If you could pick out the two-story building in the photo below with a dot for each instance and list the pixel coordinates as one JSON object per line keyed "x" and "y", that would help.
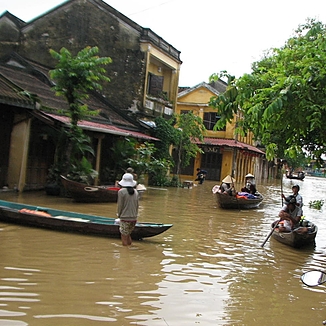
{"x": 145, "y": 68}
{"x": 144, "y": 78}
{"x": 224, "y": 152}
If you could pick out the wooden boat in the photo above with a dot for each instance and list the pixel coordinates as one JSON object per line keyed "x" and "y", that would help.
{"x": 236, "y": 202}
{"x": 300, "y": 176}
{"x": 80, "y": 192}
{"x": 295, "y": 238}
{"x": 54, "y": 219}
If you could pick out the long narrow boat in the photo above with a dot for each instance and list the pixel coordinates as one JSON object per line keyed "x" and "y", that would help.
{"x": 236, "y": 202}
{"x": 296, "y": 177}
{"x": 54, "y": 219}
{"x": 295, "y": 238}
{"x": 81, "y": 192}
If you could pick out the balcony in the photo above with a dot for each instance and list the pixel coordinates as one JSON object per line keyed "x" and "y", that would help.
{"x": 149, "y": 36}
{"x": 158, "y": 105}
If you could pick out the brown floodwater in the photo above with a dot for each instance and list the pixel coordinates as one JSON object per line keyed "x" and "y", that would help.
{"x": 208, "y": 269}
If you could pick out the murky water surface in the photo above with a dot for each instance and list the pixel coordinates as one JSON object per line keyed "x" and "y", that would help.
{"x": 208, "y": 269}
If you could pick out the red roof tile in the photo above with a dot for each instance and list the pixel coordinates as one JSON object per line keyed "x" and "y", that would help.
{"x": 101, "y": 127}
{"x": 230, "y": 143}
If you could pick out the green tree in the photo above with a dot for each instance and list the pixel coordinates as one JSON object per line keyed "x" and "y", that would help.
{"x": 75, "y": 77}
{"x": 121, "y": 151}
{"x": 184, "y": 131}
{"x": 168, "y": 135}
{"x": 299, "y": 161}
{"x": 145, "y": 162}
{"x": 283, "y": 100}
{"x": 190, "y": 130}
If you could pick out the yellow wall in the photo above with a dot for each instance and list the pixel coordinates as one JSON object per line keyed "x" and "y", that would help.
{"x": 227, "y": 162}
{"x": 169, "y": 68}
{"x": 197, "y": 101}
{"x": 19, "y": 153}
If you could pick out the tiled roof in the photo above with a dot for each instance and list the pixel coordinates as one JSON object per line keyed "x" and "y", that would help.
{"x": 8, "y": 95}
{"x": 102, "y": 127}
{"x": 191, "y": 89}
{"x": 230, "y": 143}
{"x": 33, "y": 78}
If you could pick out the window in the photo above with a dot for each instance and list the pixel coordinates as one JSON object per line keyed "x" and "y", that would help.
{"x": 210, "y": 119}
{"x": 155, "y": 85}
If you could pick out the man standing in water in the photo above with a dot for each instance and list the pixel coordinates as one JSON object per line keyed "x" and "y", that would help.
{"x": 201, "y": 175}
{"x": 127, "y": 207}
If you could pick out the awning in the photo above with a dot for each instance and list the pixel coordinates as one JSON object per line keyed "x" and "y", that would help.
{"x": 102, "y": 128}
{"x": 230, "y": 143}
{"x": 147, "y": 123}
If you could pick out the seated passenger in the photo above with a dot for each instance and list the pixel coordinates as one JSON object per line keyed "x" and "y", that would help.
{"x": 289, "y": 215}
{"x": 226, "y": 187}
{"x": 250, "y": 186}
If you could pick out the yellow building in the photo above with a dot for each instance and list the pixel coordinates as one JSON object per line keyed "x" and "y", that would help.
{"x": 162, "y": 66}
{"x": 144, "y": 76}
{"x": 224, "y": 152}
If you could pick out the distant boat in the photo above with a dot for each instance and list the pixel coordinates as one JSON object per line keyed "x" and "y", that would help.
{"x": 299, "y": 176}
{"x": 48, "y": 218}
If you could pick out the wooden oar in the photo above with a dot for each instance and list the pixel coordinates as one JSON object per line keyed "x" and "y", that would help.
{"x": 233, "y": 186}
{"x": 270, "y": 233}
{"x": 276, "y": 223}
{"x": 282, "y": 185}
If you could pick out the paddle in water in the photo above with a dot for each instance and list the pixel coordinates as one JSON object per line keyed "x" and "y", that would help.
{"x": 270, "y": 233}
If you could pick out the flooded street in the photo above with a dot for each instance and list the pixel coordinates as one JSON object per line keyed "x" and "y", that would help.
{"x": 208, "y": 269}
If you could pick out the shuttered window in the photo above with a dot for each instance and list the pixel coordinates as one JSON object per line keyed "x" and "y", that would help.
{"x": 155, "y": 85}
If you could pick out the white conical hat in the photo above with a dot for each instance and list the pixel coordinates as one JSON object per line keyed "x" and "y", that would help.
{"x": 228, "y": 179}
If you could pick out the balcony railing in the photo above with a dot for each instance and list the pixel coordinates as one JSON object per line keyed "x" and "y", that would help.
{"x": 159, "y": 105}
{"x": 150, "y": 36}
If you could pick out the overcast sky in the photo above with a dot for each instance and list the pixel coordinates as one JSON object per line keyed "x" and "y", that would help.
{"x": 212, "y": 35}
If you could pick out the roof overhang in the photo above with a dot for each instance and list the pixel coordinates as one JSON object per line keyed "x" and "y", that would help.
{"x": 102, "y": 128}
{"x": 223, "y": 142}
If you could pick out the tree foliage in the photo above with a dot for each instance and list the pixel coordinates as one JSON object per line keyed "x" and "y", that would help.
{"x": 283, "y": 100}
{"x": 145, "y": 161}
{"x": 293, "y": 163}
{"x": 183, "y": 131}
{"x": 190, "y": 130}
{"x": 75, "y": 77}
{"x": 168, "y": 135}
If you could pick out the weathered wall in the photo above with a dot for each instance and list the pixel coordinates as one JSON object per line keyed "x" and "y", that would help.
{"x": 78, "y": 24}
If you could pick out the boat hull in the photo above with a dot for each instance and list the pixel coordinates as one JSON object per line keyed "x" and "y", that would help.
{"x": 34, "y": 216}
{"x": 232, "y": 202}
{"x": 81, "y": 192}
{"x": 295, "y": 178}
{"x": 295, "y": 239}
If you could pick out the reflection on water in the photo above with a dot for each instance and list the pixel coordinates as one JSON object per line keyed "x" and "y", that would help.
{"x": 208, "y": 269}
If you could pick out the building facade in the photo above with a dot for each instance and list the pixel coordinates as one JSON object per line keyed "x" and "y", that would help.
{"x": 224, "y": 152}
{"x": 145, "y": 68}
{"x": 144, "y": 78}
